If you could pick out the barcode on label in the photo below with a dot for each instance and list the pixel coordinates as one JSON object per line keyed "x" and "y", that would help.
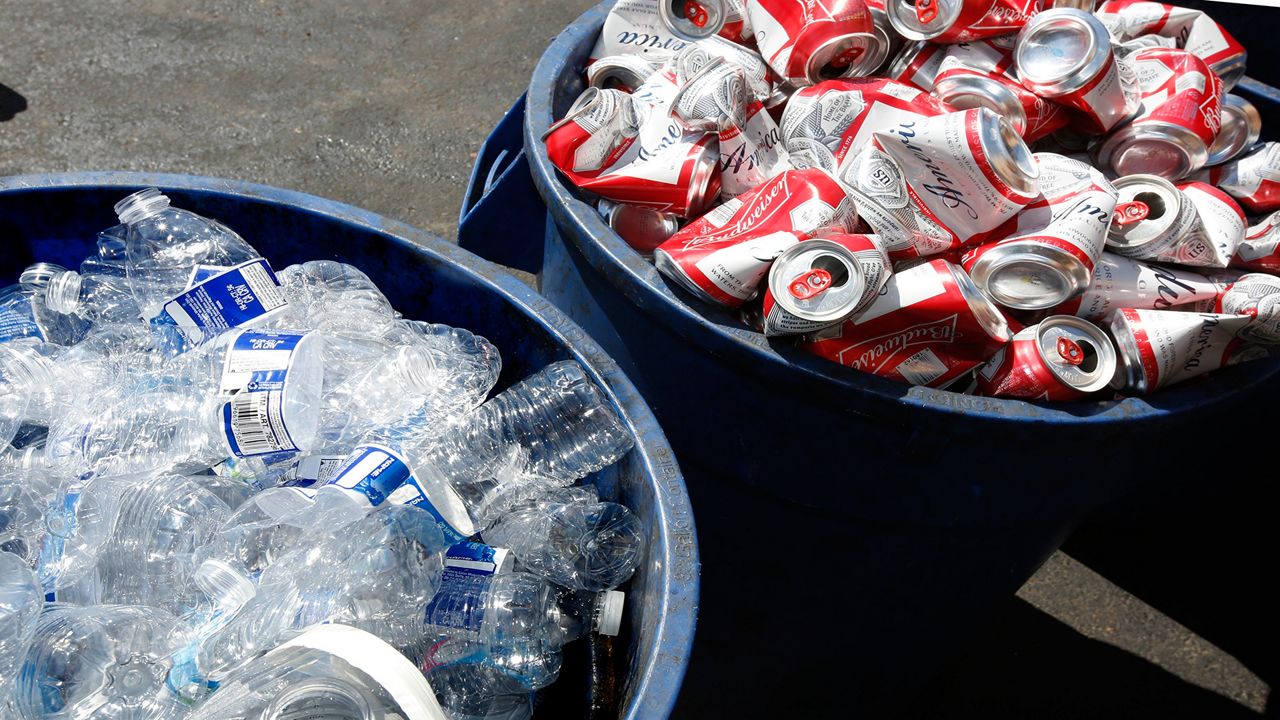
{"x": 922, "y": 368}
{"x": 255, "y": 424}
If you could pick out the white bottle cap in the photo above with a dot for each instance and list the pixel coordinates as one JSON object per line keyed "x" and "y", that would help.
{"x": 609, "y": 619}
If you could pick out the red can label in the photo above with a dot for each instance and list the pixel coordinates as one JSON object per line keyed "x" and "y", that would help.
{"x": 1254, "y": 179}
{"x": 1194, "y": 31}
{"x": 980, "y": 19}
{"x": 1261, "y": 247}
{"x": 1179, "y": 88}
{"x": 1018, "y": 371}
{"x": 789, "y": 31}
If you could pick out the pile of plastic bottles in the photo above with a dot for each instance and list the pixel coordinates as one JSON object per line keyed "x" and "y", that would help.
{"x": 227, "y": 493}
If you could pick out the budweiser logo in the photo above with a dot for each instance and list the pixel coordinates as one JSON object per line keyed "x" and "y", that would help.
{"x": 872, "y": 354}
{"x": 652, "y": 40}
{"x": 761, "y": 205}
{"x": 944, "y": 187}
{"x": 1202, "y": 342}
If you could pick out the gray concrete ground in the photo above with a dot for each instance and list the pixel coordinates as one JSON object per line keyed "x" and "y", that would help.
{"x": 383, "y": 105}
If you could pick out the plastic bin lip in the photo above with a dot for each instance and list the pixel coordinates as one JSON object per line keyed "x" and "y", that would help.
{"x": 722, "y": 331}
{"x": 656, "y": 685}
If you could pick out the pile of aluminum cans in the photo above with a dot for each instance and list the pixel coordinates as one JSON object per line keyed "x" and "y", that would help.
{"x": 1039, "y": 199}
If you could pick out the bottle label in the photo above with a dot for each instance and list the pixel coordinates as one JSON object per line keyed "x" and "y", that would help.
{"x": 253, "y": 423}
{"x": 17, "y": 320}
{"x": 259, "y": 360}
{"x": 229, "y": 299}
{"x": 473, "y": 558}
{"x": 312, "y": 470}
{"x": 459, "y": 603}
{"x": 432, "y": 497}
{"x": 371, "y": 473}
{"x": 200, "y": 273}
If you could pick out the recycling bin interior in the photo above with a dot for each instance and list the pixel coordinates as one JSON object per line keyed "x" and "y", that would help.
{"x": 878, "y": 524}
{"x": 55, "y": 218}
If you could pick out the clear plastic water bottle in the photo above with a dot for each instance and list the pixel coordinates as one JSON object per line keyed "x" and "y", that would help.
{"x": 469, "y": 688}
{"x": 336, "y": 298}
{"x": 231, "y": 490}
{"x": 106, "y": 661}
{"x": 329, "y": 671}
{"x": 21, "y": 600}
{"x": 98, "y": 298}
{"x": 23, "y": 499}
{"x": 24, "y": 312}
{"x": 78, "y": 522}
{"x": 583, "y": 546}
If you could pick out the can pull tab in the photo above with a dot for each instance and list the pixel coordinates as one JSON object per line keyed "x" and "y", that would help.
{"x": 848, "y": 57}
{"x": 810, "y": 284}
{"x": 1070, "y": 351}
{"x": 1128, "y": 213}
{"x": 926, "y": 11}
{"x": 695, "y": 13}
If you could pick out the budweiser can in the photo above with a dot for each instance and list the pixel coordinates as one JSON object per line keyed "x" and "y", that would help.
{"x": 724, "y": 255}
{"x": 620, "y": 72}
{"x": 955, "y": 21}
{"x": 1179, "y": 118}
{"x": 633, "y": 28}
{"x": 808, "y": 41}
{"x": 1061, "y": 358}
{"x": 701, "y": 19}
{"x": 917, "y": 64}
{"x": 1253, "y": 180}
{"x": 1257, "y": 297}
{"x": 1065, "y": 55}
{"x": 1121, "y": 282}
{"x": 643, "y": 228}
{"x": 929, "y": 326}
{"x": 827, "y": 124}
{"x": 887, "y": 40}
{"x": 1193, "y": 31}
{"x": 820, "y": 282}
{"x": 1194, "y": 225}
{"x": 1260, "y": 249}
{"x": 1044, "y": 265}
{"x": 1159, "y": 348}
{"x": 1240, "y": 130}
{"x": 697, "y": 55}
{"x": 929, "y": 186}
{"x": 963, "y": 85}
{"x": 601, "y": 146}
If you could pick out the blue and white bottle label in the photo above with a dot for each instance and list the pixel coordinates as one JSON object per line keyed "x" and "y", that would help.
{"x": 253, "y": 423}
{"x": 229, "y": 299}
{"x": 312, "y": 470}
{"x": 18, "y": 321}
{"x": 441, "y": 501}
{"x": 473, "y": 558}
{"x": 372, "y": 473}
{"x": 259, "y": 360}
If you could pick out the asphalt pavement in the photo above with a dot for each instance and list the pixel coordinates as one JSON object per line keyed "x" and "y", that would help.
{"x": 383, "y": 105}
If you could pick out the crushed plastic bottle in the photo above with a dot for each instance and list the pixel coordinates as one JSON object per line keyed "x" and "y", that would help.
{"x": 21, "y": 600}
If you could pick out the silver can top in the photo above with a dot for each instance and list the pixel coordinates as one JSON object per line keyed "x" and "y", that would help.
{"x": 1129, "y": 372}
{"x": 984, "y": 311}
{"x": 922, "y": 19}
{"x": 1241, "y": 127}
{"x": 693, "y": 19}
{"x": 817, "y": 280}
{"x": 1147, "y": 210}
{"x": 1030, "y": 275}
{"x": 619, "y": 72}
{"x": 963, "y": 92}
{"x": 1059, "y": 51}
{"x": 1008, "y": 153}
{"x": 1152, "y": 147}
{"x": 1077, "y": 352}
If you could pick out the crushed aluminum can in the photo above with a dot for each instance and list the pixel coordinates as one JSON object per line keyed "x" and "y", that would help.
{"x": 724, "y": 255}
{"x": 1059, "y": 359}
{"x": 929, "y": 186}
{"x": 620, "y": 72}
{"x": 1159, "y": 348}
{"x": 1065, "y": 55}
{"x": 1241, "y": 127}
{"x": 828, "y": 124}
{"x": 643, "y": 228}
{"x": 697, "y": 55}
{"x": 1193, "y": 30}
{"x": 1188, "y": 224}
{"x": 1256, "y": 296}
{"x": 1253, "y": 180}
{"x": 633, "y": 28}
{"x": 822, "y": 281}
{"x": 1050, "y": 254}
{"x": 956, "y": 21}
{"x": 702, "y": 19}
{"x": 978, "y": 74}
{"x": 1221, "y": 227}
{"x": 929, "y": 326}
{"x": 1179, "y": 118}
{"x": 1260, "y": 249}
{"x": 917, "y": 64}
{"x": 815, "y": 40}
{"x": 1121, "y": 282}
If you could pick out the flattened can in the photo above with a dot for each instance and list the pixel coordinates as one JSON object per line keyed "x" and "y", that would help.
{"x": 643, "y": 228}
{"x": 633, "y": 28}
{"x": 700, "y": 19}
{"x": 1241, "y": 127}
{"x": 956, "y": 21}
{"x": 929, "y": 326}
{"x": 917, "y": 64}
{"x": 1193, "y": 31}
{"x": 1195, "y": 225}
{"x": 963, "y": 86}
{"x": 1061, "y": 358}
{"x": 1261, "y": 247}
{"x": 1257, "y": 297}
{"x": 1065, "y": 55}
{"x": 1159, "y": 348}
{"x": 1121, "y": 282}
{"x": 1253, "y": 180}
{"x": 819, "y": 282}
{"x": 806, "y": 42}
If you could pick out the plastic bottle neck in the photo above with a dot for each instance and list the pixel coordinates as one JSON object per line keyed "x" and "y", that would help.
{"x": 63, "y": 292}
{"x": 416, "y": 369}
{"x": 141, "y": 205}
{"x": 39, "y": 275}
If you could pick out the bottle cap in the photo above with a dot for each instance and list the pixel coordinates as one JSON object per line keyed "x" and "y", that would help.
{"x": 609, "y": 619}
{"x": 221, "y": 582}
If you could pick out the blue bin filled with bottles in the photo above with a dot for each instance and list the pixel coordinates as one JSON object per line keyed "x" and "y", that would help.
{"x": 56, "y": 218}
{"x": 873, "y": 525}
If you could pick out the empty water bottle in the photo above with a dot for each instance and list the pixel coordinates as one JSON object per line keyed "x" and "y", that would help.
{"x": 20, "y": 602}
{"x": 23, "y": 499}
{"x": 98, "y": 298}
{"x": 336, "y": 298}
{"x": 470, "y": 688}
{"x": 78, "y": 521}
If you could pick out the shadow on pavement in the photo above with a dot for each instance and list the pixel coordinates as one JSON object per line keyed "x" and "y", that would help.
{"x": 11, "y": 103}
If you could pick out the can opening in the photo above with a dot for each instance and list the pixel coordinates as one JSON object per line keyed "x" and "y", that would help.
{"x": 1154, "y": 202}
{"x": 834, "y": 267}
{"x": 1088, "y": 356}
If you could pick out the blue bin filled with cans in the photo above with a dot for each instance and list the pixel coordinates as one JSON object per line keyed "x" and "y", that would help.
{"x": 55, "y": 218}
{"x": 857, "y": 531}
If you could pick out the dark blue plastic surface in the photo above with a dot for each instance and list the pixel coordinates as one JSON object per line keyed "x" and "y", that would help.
{"x": 55, "y": 218}
{"x": 856, "y": 530}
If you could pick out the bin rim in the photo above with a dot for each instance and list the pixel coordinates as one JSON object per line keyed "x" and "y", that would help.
{"x": 722, "y": 333}
{"x": 656, "y": 684}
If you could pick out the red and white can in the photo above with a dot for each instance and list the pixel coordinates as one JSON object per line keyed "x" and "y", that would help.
{"x": 1221, "y": 228}
{"x": 978, "y": 74}
{"x": 1180, "y": 116}
{"x": 1061, "y": 358}
{"x": 808, "y": 41}
{"x": 633, "y": 28}
{"x": 1194, "y": 32}
{"x": 724, "y": 255}
{"x": 1253, "y": 180}
{"x": 1121, "y": 282}
{"x": 615, "y": 145}
{"x": 1261, "y": 247}
{"x": 701, "y": 19}
{"x": 956, "y": 21}
{"x": 917, "y": 64}
{"x": 620, "y": 72}
{"x": 697, "y": 55}
{"x": 929, "y": 326}
{"x": 1065, "y": 55}
{"x": 1049, "y": 257}
{"x": 1190, "y": 224}
{"x": 827, "y": 124}
{"x": 929, "y": 186}
{"x": 1256, "y": 296}
{"x": 1159, "y": 348}
{"x": 643, "y": 228}
{"x": 821, "y": 282}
